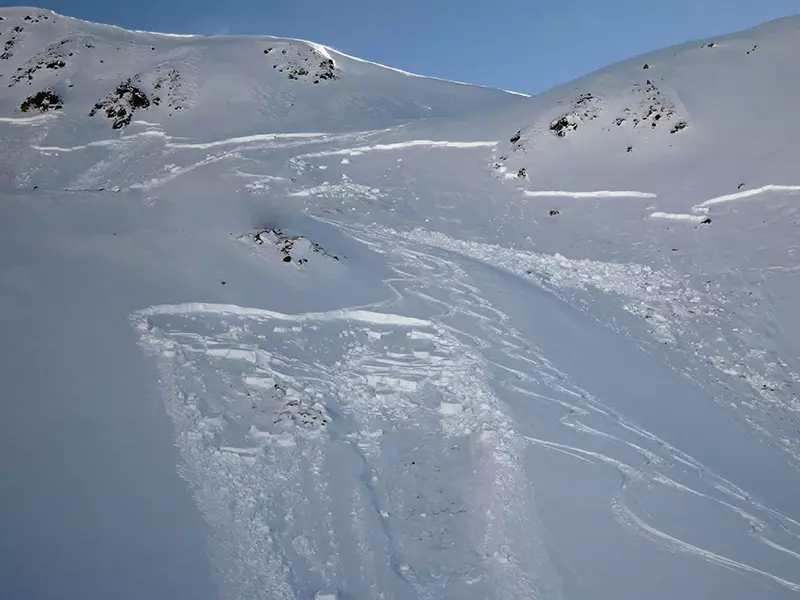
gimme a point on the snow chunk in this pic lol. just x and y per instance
(676, 217)
(451, 408)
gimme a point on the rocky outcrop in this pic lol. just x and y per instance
(121, 103)
(292, 248)
(54, 57)
(301, 62)
(168, 89)
(43, 101)
(652, 108)
(679, 126)
(561, 126)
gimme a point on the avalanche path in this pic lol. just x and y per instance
(354, 452)
(399, 450)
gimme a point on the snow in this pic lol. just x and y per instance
(448, 408)
(330, 340)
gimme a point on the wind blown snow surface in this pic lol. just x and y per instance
(302, 326)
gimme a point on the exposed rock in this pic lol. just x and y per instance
(554, 212)
(286, 244)
(585, 107)
(561, 126)
(678, 127)
(171, 84)
(53, 57)
(121, 103)
(8, 49)
(326, 70)
(295, 410)
(297, 73)
(298, 62)
(653, 107)
(43, 101)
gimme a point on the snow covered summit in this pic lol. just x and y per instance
(226, 84)
(402, 337)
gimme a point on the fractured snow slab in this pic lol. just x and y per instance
(451, 408)
(596, 194)
(703, 206)
(676, 217)
(400, 146)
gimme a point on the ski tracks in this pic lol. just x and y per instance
(642, 459)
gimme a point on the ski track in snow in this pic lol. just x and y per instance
(655, 460)
(627, 517)
(675, 313)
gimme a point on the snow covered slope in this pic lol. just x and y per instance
(282, 323)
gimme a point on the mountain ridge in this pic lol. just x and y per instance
(642, 57)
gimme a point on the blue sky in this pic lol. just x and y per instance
(522, 45)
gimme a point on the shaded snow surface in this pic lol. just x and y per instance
(307, 327)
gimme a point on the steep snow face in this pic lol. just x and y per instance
(408, 338)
